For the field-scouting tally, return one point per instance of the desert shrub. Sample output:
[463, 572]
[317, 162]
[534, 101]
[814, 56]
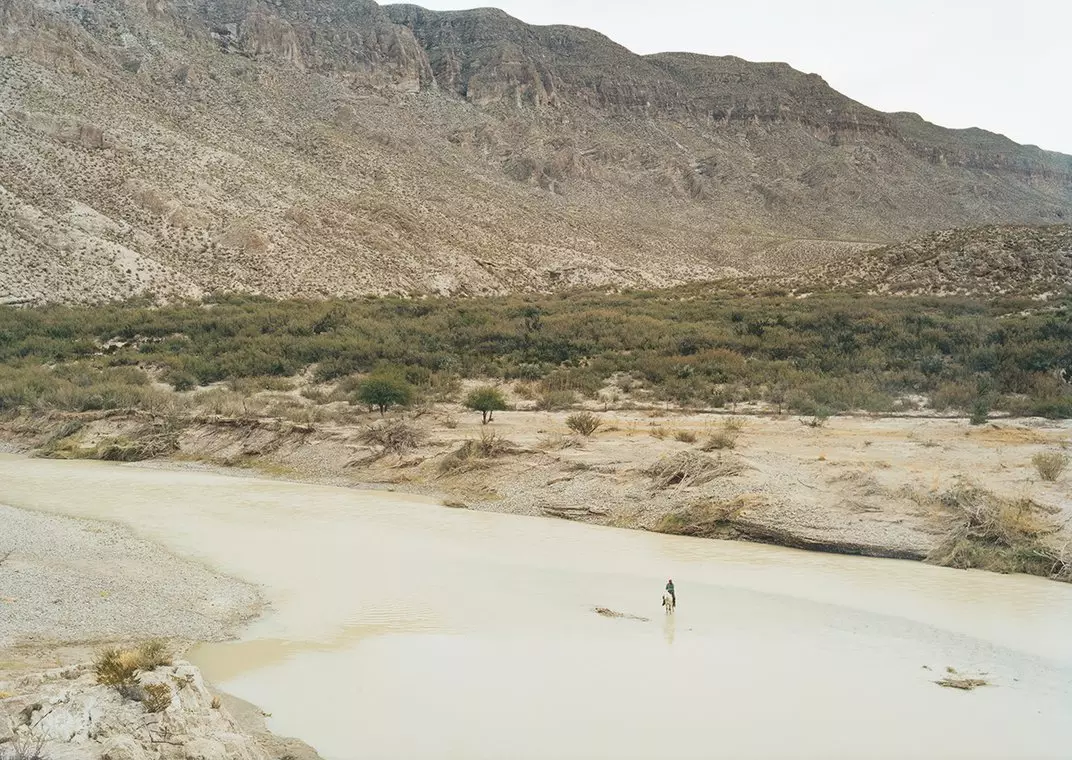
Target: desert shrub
[584, 423]
[817, 421]
[554, 401]
[658, 432]
[156, 697]
[1050, 464]
[384, 392]
[688, 468]
[692, 344]
[117, 668]
[180, 381]
[980, 412]
[685, 436]
[392, 436]
[476, 453]
[487, 400]
[954, 395]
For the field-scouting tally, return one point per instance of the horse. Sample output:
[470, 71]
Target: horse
[668, 603]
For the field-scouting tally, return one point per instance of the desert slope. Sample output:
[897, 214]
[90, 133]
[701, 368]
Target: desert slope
[314, 148]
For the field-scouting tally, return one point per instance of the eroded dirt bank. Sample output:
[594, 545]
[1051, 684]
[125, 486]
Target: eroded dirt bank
[891, 487]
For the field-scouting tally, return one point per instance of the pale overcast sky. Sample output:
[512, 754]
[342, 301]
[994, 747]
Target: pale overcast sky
[1004, 65]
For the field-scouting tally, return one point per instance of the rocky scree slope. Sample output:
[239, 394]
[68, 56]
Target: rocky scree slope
[991, 260]
[315, 148]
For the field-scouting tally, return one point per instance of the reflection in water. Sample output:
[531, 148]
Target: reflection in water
[669, 626]
[399, 629]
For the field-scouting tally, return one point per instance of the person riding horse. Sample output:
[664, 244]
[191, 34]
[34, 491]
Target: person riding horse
[670, 590]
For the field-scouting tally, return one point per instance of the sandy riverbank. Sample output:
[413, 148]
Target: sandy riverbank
[864, 485]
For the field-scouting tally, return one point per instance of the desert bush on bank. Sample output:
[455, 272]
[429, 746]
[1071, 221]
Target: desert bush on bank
[382, 392]
[685, 436]
[1050, 464]
[583, 423]
[487, 400]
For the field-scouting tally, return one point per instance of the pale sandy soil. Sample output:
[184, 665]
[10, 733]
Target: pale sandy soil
[861, 484]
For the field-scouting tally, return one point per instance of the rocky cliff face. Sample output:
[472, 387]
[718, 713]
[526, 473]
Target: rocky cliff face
[315, 147]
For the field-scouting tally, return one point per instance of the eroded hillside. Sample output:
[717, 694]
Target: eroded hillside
[314, 148]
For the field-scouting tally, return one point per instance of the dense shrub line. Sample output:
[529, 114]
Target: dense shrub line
[694, 345]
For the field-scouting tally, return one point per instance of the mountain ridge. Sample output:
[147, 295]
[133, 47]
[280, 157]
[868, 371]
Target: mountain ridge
[312, 148]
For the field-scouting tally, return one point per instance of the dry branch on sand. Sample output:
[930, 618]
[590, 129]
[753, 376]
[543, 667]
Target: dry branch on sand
[392, 436]
[607, 612]
[476, 453]
[1001, 535]
[955, 680]
[688, 468]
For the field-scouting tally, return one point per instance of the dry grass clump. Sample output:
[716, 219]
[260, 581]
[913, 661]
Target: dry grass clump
[725, 437]
[120, 668]
[1001, 535]
[157, 697]
[394, 436]
[584, 423]
[687, 468]
[733, 424]
[477, 453]
[720, 439]
[557, 442]
[685, 436]
[658, 432]
[1050, 464]
[153, 654]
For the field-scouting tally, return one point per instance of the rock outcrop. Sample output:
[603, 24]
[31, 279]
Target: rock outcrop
[71, 717]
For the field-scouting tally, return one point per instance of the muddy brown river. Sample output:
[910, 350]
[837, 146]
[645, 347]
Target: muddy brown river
[402, 629]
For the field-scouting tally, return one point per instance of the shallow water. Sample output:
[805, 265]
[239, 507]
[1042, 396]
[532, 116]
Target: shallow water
[402, 629]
